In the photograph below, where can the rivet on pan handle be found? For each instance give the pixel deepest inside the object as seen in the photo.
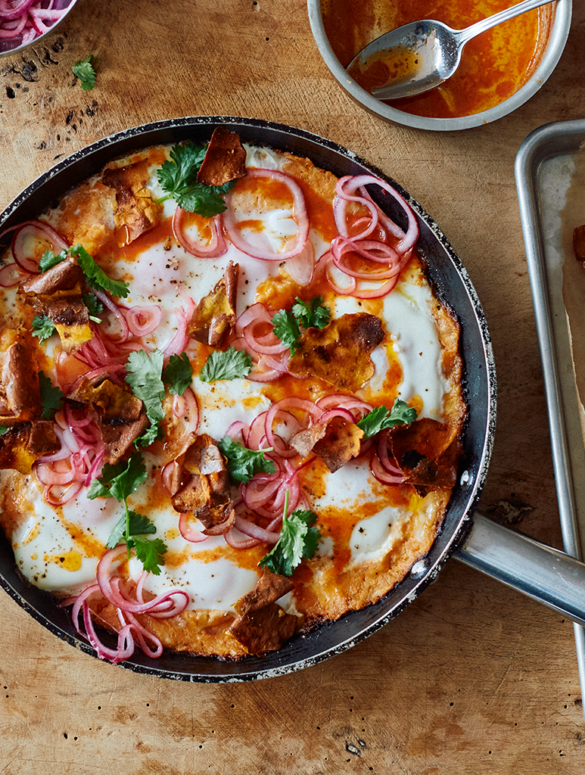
(539, 571)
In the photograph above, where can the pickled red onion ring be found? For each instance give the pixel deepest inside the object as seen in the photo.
(350, 184)
(118, 314)
(302, 266)
(11, 275)
(114, 596)
(217, 245)
(299, 210)
(27, 229)
(188, 532)
(143, 320)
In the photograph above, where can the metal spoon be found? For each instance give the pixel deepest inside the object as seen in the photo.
(423, 54)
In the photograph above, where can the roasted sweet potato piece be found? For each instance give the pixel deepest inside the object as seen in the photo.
(263, 625)
(579, 243)
(115, 401)
(121, 416)
(427, 452)
(340, 352)
(336, 442)
(136, 209)
(65, 276)
(70, 317)
(224, 160)
(215, 316)
(57, 294)
(205, 488)
(19, 382)
(23, 444)
(119, 438)
(269, 587)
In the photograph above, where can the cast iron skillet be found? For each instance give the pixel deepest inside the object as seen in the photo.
(452, 284)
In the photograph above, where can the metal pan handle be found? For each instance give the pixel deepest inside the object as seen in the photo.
(539, 571)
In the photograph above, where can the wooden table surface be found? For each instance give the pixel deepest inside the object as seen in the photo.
(472, 677)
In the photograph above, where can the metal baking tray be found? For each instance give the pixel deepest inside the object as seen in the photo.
(545, 170)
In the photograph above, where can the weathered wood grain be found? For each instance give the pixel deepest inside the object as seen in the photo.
(472, 678)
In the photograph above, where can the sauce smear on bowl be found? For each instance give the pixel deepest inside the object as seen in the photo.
(493, 67)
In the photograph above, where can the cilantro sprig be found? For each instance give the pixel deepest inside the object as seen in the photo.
(49, 260)
(144, 375)
(95, 276)
(229, 364)
(308, 314)
(379, 419)
(94, 306)
(4, 429)
(42, 327)
(178, 179)
(119, 481)
(85, 71)
(298, 540)
(243, 463)
(51, 397)
(178, 375)
(287, 329)
(312, 314)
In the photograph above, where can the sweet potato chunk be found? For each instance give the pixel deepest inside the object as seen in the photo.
(121, 416)
(215, 316)
(204, 489)
(336, 442)
(263, 625)
(269, 587)
(57, 294)
(136, 209)
(224, 160)
(427, 452)
(340, 352)
(65, 276)
(19, 382)
(22, 444)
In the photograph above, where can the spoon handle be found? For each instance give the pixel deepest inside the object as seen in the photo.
(485, 24)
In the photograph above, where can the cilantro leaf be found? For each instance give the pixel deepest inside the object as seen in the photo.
(43, 327)
(380, 418)
(4, 429)
(95, 276)
(150, 551)
(94, 306)
(51, 397)
(178, 179)
(144, 377)
(85, 72)
(137, 524)
(119, 480)
(311, 314)
(244, 463)
(178, 374)
(48, 260)
(229, 364)
(204, 200)
(287, 329)
(298, 540)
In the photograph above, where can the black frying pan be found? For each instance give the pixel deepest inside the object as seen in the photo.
(453, 285)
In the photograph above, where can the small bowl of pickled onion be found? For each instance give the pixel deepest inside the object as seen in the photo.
(24, 22)
(499, 71)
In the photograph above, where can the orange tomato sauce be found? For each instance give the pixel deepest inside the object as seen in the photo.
(493, 67)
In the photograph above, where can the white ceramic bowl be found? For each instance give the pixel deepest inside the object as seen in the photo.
(554, 49)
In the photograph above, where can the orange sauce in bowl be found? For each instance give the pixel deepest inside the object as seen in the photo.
(493, 67)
